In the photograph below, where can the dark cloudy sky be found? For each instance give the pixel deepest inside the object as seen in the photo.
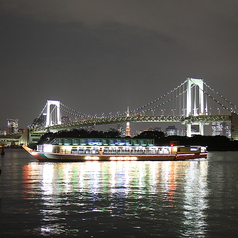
(102, 55)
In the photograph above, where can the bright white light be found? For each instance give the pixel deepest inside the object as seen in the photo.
(123, 158)
(91, 157)
(193, 149)
(48, 148)
(69, 148)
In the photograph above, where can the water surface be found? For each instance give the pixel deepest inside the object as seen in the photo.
(197, 198)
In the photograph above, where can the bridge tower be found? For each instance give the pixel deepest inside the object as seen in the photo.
(128, 126)
(53, 118)
(195, 104)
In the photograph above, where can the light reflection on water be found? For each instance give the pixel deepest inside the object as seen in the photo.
(123, 199)
(121, 189)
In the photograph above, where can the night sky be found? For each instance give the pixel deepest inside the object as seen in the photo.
(100, 56)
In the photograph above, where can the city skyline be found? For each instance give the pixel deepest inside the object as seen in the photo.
(101, 56)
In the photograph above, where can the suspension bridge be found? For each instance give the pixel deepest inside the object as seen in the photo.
(192, 103)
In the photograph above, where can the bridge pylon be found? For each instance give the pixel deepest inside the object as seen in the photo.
(50, 120)
(195, 104)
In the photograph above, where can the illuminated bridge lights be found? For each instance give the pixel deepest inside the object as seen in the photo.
(120, 119)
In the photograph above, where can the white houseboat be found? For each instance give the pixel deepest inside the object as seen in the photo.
(109, 149)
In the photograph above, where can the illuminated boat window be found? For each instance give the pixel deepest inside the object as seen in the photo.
(81, 150)
(135, 142)
(74, 150)
(150, 151)
(193, 149)
(106, 150)
(75, 141)
(104, 141)
(94, 151)
(112, 150)
(82, 142)
(67, 141)
(164, 151)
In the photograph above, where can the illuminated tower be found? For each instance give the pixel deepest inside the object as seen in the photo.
(195, 108)
(53, 117)
(128, 127)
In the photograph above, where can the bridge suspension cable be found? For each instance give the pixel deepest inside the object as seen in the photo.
(218, 102)
(177, 93)
(72, 111)
(166, 95)
(38, 118)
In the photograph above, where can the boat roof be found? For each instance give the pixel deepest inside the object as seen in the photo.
(103, 141)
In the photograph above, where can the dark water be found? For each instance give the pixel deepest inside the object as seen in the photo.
(119, 199)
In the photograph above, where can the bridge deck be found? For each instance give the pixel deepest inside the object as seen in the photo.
(113, 120)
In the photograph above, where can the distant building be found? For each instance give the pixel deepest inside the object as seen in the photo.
(41, 120)
(182, 131)
(3, 131)
(138, 132)
(221, 129)
(119, 126)
(157, 129)
(90, 128)
(121, 129)
(171, 131)
(20, 130)
(65, 119)
(12, 126)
